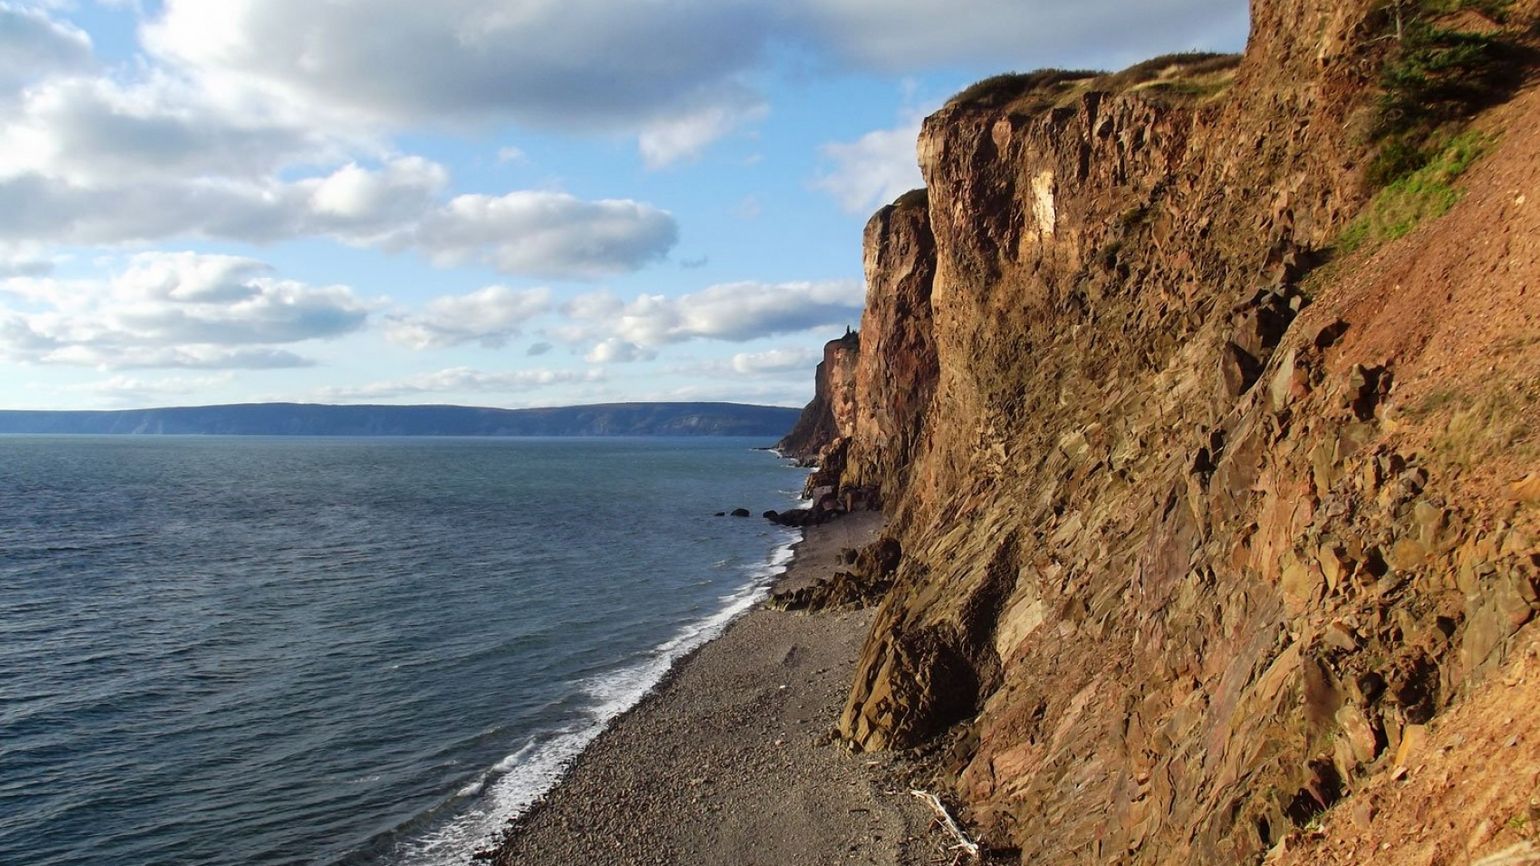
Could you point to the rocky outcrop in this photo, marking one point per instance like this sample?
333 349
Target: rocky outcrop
896 371
1199 514
867 580
831 414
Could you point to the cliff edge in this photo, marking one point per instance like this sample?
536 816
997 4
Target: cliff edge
1202 399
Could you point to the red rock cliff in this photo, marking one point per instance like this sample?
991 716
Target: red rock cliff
1195 529
830 416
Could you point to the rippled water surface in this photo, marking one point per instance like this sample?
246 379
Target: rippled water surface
234 650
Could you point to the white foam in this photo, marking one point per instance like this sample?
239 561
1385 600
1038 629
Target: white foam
515 783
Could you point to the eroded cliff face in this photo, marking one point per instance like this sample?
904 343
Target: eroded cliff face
1197 528
830 417
895 375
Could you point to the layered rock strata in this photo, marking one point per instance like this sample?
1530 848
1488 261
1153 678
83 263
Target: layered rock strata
1199 516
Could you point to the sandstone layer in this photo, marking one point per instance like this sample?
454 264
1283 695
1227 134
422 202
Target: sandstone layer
1204 514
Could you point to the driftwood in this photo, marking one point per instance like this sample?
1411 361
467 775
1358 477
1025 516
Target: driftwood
964 844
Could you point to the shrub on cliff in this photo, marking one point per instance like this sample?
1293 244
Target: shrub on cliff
1440 72
1426 193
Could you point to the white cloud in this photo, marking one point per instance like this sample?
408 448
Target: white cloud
461 380
91 160
875 168
489 317
34 44
534 233
671 139
769 393
361 204
775 361
731 312
546 234
93 131
906 35
672 71
574 65
185 310
618 351
133 390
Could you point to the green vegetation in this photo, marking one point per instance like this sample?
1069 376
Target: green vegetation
1183 77
1001 90
1187 70
1437 76
1426 193
1484 425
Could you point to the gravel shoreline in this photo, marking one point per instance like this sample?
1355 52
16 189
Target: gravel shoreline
730 760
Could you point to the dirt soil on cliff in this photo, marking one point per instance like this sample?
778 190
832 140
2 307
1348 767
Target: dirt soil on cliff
730 760
1453 309
1466 791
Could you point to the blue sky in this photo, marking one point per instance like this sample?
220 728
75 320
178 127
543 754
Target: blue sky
487 202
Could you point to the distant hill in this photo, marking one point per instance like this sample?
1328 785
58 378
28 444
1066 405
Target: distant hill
305 419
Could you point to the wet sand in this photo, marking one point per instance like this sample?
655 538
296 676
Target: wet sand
731 760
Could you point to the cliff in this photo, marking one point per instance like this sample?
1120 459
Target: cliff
830 417
1207 436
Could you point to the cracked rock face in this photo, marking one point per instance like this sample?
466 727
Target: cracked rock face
1193 531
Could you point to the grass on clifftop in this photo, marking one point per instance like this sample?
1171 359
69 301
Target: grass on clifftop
1427 193
1186 77
1444 67
1011 87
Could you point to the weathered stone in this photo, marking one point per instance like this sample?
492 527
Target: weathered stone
1341 636
1414 739
1335 566
1359 733
1288 382
1526 489
1202 573
1300 582
1408 554
1238 370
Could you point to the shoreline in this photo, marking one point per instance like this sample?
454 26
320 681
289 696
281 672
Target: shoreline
730 757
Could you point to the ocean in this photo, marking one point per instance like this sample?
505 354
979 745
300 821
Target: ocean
373 652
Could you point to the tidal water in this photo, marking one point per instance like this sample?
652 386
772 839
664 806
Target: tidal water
356 651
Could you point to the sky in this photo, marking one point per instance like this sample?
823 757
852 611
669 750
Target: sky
483 202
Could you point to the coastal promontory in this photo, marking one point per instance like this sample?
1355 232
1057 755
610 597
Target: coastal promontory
1201 399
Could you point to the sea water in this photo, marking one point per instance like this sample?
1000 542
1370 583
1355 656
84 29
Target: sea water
222 650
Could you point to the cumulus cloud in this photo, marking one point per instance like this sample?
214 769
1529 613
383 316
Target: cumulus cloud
577 65
91 131
618 351
93 160
672 70
177 310
461 380
548 234
774 361
393 206
891 35
489 317
795 394
134 390
734 312
34 45
875 168
671 139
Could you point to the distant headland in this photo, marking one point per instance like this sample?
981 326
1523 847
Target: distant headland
307 419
